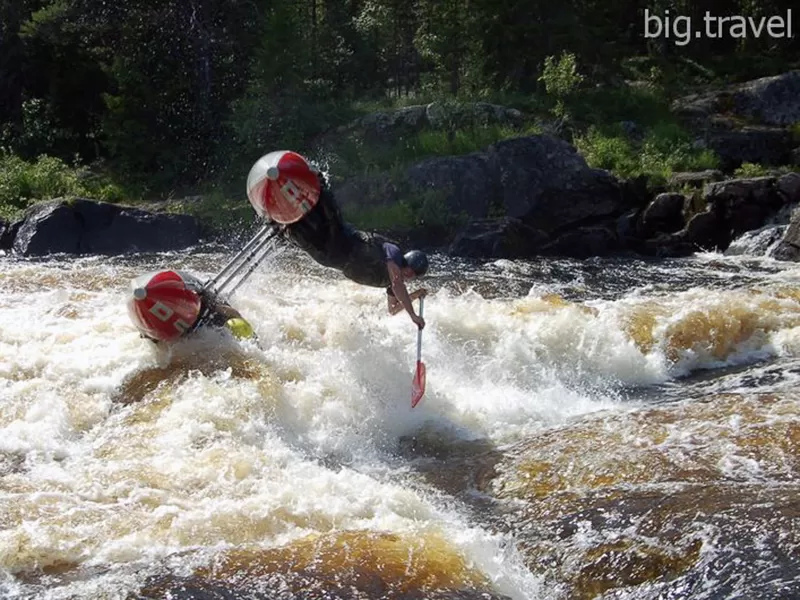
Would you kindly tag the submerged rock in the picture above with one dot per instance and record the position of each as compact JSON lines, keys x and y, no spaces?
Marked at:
{"x":349,"y":565}
{"x":620,"y":504}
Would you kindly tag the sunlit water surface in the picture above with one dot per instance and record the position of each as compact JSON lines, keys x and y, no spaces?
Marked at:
{"x":606,"y":428}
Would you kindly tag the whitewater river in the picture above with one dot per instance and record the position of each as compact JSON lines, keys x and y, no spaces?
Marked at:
{"x":601,"y":429}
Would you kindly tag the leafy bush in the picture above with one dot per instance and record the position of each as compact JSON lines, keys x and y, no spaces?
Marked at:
{"x":561,"y":79}
{"x":751,"y":170}
{"x":748,"y":170}
{"x":23,"y":182}
{"x":664,"y":149}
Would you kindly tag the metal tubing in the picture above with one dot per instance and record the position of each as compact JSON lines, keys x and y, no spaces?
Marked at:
{"x":247,"y":261}
{"x":247,"y":247}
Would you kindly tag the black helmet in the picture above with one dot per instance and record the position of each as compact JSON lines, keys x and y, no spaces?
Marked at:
{"x":418,"y":261}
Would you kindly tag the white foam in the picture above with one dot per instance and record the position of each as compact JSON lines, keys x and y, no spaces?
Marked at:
{"x":309,"y":445}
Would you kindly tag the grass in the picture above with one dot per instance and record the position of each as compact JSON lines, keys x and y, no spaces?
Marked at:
{"x":355,"y":156}
{"x":398,"y":216}
{"x":428,"y":209}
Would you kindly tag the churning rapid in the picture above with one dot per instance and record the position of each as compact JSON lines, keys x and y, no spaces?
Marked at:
{"x":598,"y":429}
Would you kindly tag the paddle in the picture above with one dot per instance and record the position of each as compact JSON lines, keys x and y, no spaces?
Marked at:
{"x":418,"y":385}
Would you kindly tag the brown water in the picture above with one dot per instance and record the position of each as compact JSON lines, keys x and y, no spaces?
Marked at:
{"x":598,"y":429}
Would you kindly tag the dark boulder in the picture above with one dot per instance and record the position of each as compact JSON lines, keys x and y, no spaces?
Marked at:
{"x":767,"y":145}
{"x":7,"y":233}
{"x":789,"y":247}
{"x":86,"y":227}
{"x":663,"y":215}
{"x":770,"y":100}
{"x":48,"y":228}
{"x":744,"y":204}
{"x":584,"y":242}
{"x":789,"y":187}
{"x":705,"y":231}
{"x":497,"y":238}
{"x":459,"y":184}
{"x":547,"y":184}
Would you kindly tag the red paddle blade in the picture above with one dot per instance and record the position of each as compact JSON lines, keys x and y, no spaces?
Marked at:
{"x":418,"y":386}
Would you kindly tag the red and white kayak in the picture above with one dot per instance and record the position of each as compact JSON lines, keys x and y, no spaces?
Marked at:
{"x":163,"y":306}
{"x":283,"y":186}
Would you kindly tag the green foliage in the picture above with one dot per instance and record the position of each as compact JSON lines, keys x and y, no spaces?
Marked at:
{"x":426,"y":209}
{"x":218,"y":211}
{"x":561,"y":79}
{"x":358,"y":157}
{"x":176,"y":95}
{"x":663,"y":150}
{"x":23,"y":182}
{"x":795,"y":131}
{"x":397,"y":216}
{"x":751,"y":170}
{"x":432,"y":210}
{"x":646,"y":106}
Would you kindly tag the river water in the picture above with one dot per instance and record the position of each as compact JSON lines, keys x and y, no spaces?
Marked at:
{"x":591,"y":429}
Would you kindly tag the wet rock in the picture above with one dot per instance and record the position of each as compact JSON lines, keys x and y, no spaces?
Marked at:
{"x":7,"y":233}
{"x":627,"y":227}
{"x":497,"y":238}
{"x":705,"y":231}
{"x":743,"y":204}
{"x":584,"y":242}
{"x":729,"y":209}
{"x":670,"y":245}
{"x":789,"y":246}
{"x":758,"y":242}
{"x":663,"y":215}
{"x":86,"y":227}
{"x":789,"y":187}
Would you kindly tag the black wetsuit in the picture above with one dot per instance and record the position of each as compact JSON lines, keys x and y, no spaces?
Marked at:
{"x":214,"y":310}
{"x":331,"y":242}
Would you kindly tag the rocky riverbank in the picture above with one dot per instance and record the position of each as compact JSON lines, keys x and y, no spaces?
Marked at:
{"x":520,"y":197}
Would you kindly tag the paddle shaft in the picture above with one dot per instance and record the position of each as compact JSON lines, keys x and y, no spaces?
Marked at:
{"x":419,"y":334}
